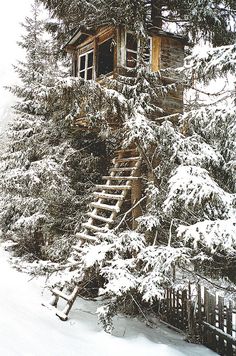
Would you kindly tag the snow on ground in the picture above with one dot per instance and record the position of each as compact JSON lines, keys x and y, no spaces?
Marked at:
{"x":29,"y":329}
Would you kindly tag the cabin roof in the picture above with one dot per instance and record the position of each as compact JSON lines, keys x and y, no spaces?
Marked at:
{"x":162,"y":33}
{"x":81,"y":34}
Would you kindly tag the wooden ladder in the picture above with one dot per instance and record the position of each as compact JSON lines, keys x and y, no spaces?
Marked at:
{"x":107,"y":204}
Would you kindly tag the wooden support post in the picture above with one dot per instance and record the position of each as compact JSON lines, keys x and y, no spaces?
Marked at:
{"x":156,"y":13}
{"x":156,"y":53}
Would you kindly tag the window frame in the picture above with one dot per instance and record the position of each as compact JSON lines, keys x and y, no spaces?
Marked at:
{"x":86,"y":68}
{"x":149,"y":64}
{"x":128,"y":50}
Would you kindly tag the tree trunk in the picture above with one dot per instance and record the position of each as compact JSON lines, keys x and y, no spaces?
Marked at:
{"x":156,"y":6}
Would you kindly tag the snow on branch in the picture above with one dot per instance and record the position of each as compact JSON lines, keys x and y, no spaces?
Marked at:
{"x":211,"y":63}
{"x":192,"y":186}
{"x":158,"y":269}
{"x":138,"y":127}
{"x":216,"y":236}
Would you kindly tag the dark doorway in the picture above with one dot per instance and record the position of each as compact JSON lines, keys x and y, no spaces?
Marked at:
{"x":105,"y":57}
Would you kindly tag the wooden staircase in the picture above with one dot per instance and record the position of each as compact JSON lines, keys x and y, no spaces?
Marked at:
{"x":108,"y":200}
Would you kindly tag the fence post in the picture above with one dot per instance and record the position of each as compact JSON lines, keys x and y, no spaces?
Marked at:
{"x":184,"y":310}
{"x":191,"y":321}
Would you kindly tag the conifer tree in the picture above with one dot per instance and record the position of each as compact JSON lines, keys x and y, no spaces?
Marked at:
{"x":45,"y":170}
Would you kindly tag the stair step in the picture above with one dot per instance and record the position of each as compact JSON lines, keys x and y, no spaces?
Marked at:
{"x":92,"y":227}
{"x":62,"y":295}
{"x":105,"y":207}
{"x":122,"y":169}
{"x":100,"y":218}
{"x":126,"y":150}
{"x":127,"y":159}
{"x":120,"y":178}
{"x":83,"y":236}
{"x":58,"y":312}
{"x":108,"y":196}
{"x":113,"y":187}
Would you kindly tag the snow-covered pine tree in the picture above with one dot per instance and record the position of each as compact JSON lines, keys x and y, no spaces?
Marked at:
{"x":46,"y":170}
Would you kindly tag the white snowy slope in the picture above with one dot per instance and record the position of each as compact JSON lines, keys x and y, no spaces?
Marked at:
{"x":29,"y":329}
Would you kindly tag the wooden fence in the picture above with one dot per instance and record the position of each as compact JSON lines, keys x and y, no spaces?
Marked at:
{"x":206,"y":318}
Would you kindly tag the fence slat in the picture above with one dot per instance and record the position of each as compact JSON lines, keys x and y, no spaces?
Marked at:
{"x":178,"y":321}
{"x":199,"y":311}
{"x":212,"y":307}
{"x":184,"y":309}
{"x":174,"y":308}
{"x":207,"y":336}
{"x":229,"y":328}
{"x":221,"y":343}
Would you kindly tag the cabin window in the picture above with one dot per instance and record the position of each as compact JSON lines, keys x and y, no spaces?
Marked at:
{"x":86,"y":65}
{"x":105,"y":63}
{"x":131,"y":50}
{"x":132,"y":46}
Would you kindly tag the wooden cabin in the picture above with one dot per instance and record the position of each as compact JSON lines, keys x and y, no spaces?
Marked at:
{"x":110,"y":51}
{"x":106,"y":51}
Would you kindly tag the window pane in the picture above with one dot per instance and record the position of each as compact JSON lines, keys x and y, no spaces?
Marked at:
{"x":82,"y":63}
{"x":131,"y":42}
{"x":106,"y":57}
{"x":131,"y":59}
{"x":90,"y":59}
{"x":89,"y":74}
{"x":81,"y":74}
